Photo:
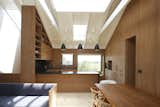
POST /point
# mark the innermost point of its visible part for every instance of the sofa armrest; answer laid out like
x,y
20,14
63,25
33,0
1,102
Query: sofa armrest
x,y
52,96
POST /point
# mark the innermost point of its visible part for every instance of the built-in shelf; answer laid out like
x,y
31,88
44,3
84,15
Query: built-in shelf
x,y
40,37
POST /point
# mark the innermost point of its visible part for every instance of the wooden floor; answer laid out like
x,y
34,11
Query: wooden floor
x,y
74,100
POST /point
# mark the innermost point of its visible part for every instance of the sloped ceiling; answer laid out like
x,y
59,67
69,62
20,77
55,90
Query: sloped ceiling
x,y
62,29
111,23
65,21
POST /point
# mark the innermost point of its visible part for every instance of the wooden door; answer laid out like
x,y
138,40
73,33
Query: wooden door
x,y
130,62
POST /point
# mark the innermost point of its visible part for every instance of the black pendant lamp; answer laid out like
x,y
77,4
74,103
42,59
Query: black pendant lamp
x,y
96,47
80,46
63,47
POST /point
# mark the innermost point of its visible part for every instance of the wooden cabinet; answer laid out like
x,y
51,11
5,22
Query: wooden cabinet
x,y
32,40
69,82
28,44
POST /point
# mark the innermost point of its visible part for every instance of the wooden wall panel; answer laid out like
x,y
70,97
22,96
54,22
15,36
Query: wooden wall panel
x,y
46,52
9,78
56,58
70,82
158,49
140,20
28,44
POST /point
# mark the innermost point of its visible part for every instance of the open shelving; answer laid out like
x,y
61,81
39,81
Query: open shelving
x,y
40,37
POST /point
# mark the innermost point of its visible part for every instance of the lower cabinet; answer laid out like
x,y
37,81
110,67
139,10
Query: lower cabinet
x,y
69,82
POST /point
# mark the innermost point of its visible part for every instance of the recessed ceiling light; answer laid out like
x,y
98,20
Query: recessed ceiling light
x,y
81,5
79,32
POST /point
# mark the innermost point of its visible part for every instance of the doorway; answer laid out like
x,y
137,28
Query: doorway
x,y
130,63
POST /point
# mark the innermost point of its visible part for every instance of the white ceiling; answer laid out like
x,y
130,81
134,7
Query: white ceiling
x,y
8,4
95,22
59,27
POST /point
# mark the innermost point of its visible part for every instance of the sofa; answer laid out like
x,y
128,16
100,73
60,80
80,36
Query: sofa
x,y
27,94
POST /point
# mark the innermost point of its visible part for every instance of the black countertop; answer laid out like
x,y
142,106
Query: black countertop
x,y
68,72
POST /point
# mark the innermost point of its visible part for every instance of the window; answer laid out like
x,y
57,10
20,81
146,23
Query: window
x,y
79,32
9,38
67,59
81,5
117,11
89,63
48,12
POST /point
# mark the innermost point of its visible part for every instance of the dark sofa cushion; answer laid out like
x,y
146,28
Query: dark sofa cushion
x,y
25,89
24,101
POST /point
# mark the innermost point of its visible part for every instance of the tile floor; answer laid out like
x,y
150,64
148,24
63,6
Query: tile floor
x,y
74,100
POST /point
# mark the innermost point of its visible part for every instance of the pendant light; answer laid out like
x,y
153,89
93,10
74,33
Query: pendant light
x,y
96,47
80,46
63,47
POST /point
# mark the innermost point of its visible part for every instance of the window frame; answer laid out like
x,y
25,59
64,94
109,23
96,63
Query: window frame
x,y
68,54
90,54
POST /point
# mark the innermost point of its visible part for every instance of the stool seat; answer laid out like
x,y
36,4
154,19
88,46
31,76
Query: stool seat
x,y
108,82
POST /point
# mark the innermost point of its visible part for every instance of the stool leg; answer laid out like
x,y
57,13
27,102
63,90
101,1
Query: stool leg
x,y
94,105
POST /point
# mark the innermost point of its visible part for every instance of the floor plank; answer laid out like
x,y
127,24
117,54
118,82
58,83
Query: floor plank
x,y
74,99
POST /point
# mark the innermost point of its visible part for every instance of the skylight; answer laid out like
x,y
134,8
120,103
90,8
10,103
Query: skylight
x,y
9,37
118,9
46,9
79,32
81,5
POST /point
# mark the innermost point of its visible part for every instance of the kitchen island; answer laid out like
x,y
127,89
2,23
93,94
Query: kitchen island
x,y
69,81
